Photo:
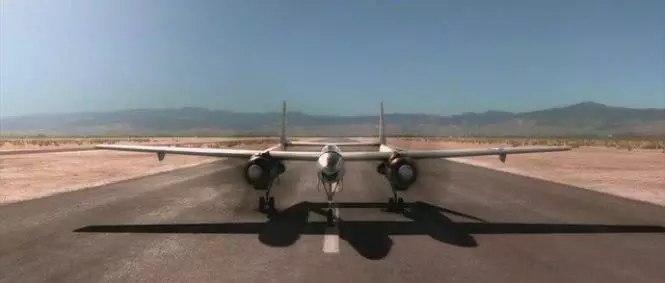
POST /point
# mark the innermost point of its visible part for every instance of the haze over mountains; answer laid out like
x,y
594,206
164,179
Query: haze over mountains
x,y
583,119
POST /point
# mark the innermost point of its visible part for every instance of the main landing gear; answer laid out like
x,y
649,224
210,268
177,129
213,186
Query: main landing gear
x,y
267,203
396,203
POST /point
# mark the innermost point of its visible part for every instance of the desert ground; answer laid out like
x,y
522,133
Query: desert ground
x,y
632,173
44,144
28,176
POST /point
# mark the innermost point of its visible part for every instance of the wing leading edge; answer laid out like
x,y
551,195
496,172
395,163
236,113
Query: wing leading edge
x,y
216,152
348,156
448,153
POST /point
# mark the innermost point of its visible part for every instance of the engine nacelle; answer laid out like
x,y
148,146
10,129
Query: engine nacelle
x,y
400,172
261,170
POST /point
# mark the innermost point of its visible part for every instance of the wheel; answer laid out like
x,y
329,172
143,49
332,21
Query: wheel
x,y
329,217
262,204
271,203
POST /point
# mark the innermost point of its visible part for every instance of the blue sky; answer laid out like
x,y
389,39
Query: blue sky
x,y
442,57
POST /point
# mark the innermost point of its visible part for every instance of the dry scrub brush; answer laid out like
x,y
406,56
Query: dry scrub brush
x,y
574,143
19,142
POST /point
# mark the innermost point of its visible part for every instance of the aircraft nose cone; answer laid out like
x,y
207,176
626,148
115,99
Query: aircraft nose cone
x,y
329,163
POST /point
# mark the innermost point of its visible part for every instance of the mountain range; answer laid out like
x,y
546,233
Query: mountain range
x,y
582,119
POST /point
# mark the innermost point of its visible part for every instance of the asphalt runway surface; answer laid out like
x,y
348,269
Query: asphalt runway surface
x,y
463,224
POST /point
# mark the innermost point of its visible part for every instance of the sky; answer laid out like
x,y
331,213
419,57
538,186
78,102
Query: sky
x,y
329,57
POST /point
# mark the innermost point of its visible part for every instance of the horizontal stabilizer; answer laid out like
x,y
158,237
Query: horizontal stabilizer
x,y
305,143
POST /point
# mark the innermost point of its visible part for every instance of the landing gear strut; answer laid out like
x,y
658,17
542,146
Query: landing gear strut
x,y
266,203
396,203
330,217
330,188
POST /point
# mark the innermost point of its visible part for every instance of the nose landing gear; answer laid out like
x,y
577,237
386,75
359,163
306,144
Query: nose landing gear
x,y
330,217
330,188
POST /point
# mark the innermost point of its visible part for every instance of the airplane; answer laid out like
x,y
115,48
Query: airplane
x,y
264,167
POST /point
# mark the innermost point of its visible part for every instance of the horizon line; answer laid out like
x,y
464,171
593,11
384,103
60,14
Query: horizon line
x,y
317,114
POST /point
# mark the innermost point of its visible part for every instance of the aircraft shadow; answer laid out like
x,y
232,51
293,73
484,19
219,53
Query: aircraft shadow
x,y
371,239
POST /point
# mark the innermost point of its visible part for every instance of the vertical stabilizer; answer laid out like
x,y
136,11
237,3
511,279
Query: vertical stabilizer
x,y
382,126
282,137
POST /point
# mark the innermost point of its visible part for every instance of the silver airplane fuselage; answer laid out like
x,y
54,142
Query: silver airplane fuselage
x,y
330,167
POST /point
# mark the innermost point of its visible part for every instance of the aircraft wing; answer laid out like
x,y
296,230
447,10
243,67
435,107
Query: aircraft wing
x,y
314,155
214,152
446,153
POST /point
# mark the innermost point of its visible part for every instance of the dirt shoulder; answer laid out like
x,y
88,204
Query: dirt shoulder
x,y
635,174
29,176
10,146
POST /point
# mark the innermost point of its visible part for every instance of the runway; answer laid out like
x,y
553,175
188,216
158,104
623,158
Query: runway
x,y
463,224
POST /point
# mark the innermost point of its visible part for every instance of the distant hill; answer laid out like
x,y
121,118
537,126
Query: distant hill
x,y
583,119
